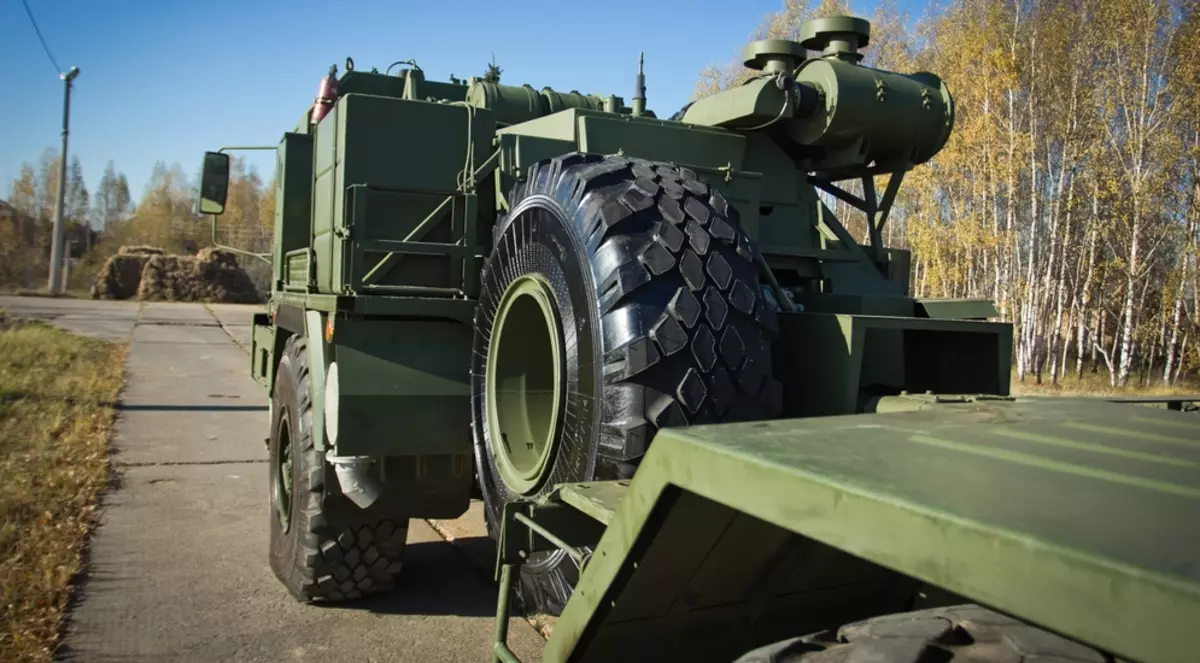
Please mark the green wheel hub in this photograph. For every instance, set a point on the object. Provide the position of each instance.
(283, 475)
(524, 383)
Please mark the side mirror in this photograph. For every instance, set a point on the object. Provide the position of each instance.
(214, 183)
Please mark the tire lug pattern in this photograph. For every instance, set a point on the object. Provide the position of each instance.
(669, 415)
(669, 236)
(692, 391)
(697, 210)
(698, 237)
(671, 211)
(722, 392)
(721, 229)
(741, 297)
(669, 336)
(643, 172)
(684, 307)
(951, 634)
(673, 189)
(715, 308)
(720, 271)
(732, 348)
(684, 332)
(647, 186)
(636, 201)
(692, 270)
(704, 348)
(751, 376)
(657, 259)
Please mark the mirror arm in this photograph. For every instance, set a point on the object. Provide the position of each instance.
(265, 257)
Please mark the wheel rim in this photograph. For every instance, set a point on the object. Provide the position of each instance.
(524, 383)
(283, 475)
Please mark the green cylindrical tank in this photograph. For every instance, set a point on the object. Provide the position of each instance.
(511, 104)
(885, 117)
(558, 101)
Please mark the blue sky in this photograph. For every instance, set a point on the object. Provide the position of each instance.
(166, 80)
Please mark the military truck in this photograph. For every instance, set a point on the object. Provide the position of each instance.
(702, 417)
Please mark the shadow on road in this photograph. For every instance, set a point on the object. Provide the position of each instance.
(435, 581)
(191, 408)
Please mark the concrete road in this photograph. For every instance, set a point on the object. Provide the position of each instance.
(178, 568)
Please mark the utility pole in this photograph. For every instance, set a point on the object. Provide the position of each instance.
(56, 242)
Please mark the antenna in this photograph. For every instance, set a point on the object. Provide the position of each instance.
(639, 88)
(493, 72)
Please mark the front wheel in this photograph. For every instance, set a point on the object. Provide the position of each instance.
(621, 298)
(315, 554)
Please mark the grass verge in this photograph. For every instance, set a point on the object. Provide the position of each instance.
(57, 395)
(1097, 384)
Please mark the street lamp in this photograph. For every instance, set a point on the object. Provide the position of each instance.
(56, 241)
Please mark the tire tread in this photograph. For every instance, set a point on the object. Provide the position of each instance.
(955, 634)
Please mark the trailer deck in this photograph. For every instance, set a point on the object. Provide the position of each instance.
(1073, 514)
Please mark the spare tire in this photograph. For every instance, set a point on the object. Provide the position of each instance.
(621, 297)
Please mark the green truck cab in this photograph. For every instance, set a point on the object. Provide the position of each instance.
(702, 417)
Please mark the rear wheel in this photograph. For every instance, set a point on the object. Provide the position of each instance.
(621, 298)
(964, 633)
(316, 555)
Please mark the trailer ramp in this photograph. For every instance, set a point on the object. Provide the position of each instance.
(1080, 516)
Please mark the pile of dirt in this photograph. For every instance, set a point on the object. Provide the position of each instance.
(120, 275)
(148, 273)
(140, 250)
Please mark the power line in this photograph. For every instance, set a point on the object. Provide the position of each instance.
(57, 69)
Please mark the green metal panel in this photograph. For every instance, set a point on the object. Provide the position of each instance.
(400, 224)
(262, 351)
(293, 203)
(604, 133)
(864, 355)
(461, 310)
(1076, 515)
(403, 387)
(559, 126)
(964, 309)
(365, 82)
(314, 332)
(324, 208)
(520, 151)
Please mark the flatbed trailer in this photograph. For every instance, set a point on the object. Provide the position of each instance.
(1079, 516)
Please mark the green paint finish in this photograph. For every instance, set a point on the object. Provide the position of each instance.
(963, 309)
(602, 133)
(864, 355)
(262, 351)
(1107, 554)
(598, 499)
(524, 383)
(402, 387)
(293, 208)
(389, 225)
(314, 328)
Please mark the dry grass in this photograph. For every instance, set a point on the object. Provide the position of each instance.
(56, 410)
(24, 292)
(1096, 384)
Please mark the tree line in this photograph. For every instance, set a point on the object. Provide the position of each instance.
(1069, 192)
(97, 225)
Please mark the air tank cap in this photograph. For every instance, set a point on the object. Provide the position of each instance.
(773, 55)
(836, 36)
